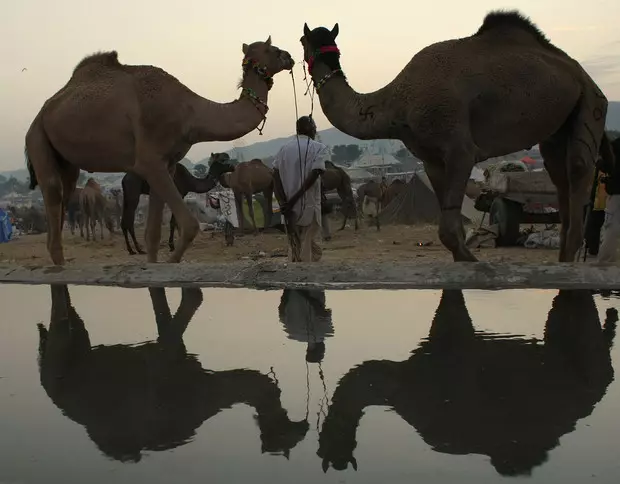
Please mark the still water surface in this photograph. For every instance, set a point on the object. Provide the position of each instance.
(101, 385)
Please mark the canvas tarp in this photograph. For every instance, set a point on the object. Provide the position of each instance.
(418, 205)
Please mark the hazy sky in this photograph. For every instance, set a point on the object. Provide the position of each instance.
(199, 42)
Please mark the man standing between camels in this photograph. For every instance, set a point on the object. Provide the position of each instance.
(297, 171)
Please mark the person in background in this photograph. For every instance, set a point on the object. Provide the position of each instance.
(297, 171)
(596, 218)
(611, 227)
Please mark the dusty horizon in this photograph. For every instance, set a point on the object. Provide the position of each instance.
(201, 46)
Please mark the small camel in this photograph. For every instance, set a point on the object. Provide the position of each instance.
(114, 203)
(372, 192)
(335, 178)
(185, 182)
(248, 178)
(111, 117)
(462, 101)
(93, 209)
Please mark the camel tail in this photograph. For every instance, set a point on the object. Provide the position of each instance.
(33, 175)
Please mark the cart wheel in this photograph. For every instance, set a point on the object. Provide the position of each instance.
(507, 215)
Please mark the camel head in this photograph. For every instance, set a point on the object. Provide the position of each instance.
(266, 59)
(321, 43)
(219, 164)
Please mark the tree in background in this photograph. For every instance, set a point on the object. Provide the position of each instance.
(2, 179)
(613, 134)
(200, 170)
(346, 153)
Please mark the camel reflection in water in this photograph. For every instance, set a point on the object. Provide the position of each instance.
(468, 392)
(151, 396)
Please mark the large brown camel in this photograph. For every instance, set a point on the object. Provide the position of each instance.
(462, 101)
(467, 391)
(335, 178)
(112, 117)
(93, 208)
(248, 178)
(134, 399)
(134, 186)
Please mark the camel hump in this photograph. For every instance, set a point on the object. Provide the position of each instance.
(101, 59)
(511, 19)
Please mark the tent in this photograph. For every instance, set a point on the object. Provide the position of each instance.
(418, 205)
(6, 228)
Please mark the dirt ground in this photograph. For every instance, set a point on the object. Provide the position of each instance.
(392, 243)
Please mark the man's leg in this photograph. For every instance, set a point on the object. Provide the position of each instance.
(611, 230)
(325, 226)
(310, 250)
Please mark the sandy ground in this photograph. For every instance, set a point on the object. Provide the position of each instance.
(392, 243)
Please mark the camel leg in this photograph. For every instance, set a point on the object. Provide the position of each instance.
(173, 224)
(164, 191)
(46, 167)
(553, 152)
(268, 194)
(250, 202)
(240, 216)
(70, 175)
(451, 229)
(130, 204)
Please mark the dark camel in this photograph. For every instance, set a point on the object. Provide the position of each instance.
(93, 209)
(462, 101)
(111, 117)
(248, 178)
(134, 186)
(335, 178)
(395, 188)
(471, 392)
(150, 397)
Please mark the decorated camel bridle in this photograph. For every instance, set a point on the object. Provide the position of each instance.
(262, 72)
(318, 52)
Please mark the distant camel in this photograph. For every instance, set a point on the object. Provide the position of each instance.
(74, 212)
(114, 204)
(371, 192)
(467, 391)
(134, 186)
(93, 208)
(248, 178)
(335, 178)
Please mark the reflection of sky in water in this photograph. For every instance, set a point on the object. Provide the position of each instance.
(241, 329)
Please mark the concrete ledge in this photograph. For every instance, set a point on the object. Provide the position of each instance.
(331, 276)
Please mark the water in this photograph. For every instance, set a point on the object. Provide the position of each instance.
(405, 386)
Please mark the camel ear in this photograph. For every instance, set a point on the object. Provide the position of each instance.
(306, 30)
(245, 48)
(325, 465)
(268, 41)
(335, 30)
(353, 460)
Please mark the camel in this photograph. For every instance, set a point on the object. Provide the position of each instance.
(114, 205)
(472, 392)
(134, 399)
(111, 117)
(248, 178)
(93, 208)
(372, 192)
(74, 213)
(335, 178)
(134, 186)
(462, 101)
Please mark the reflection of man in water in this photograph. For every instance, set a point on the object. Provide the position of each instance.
(306, 319)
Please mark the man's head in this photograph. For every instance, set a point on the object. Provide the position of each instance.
(306, 126)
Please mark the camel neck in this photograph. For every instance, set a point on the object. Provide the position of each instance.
(213, 121)
(363, 116)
